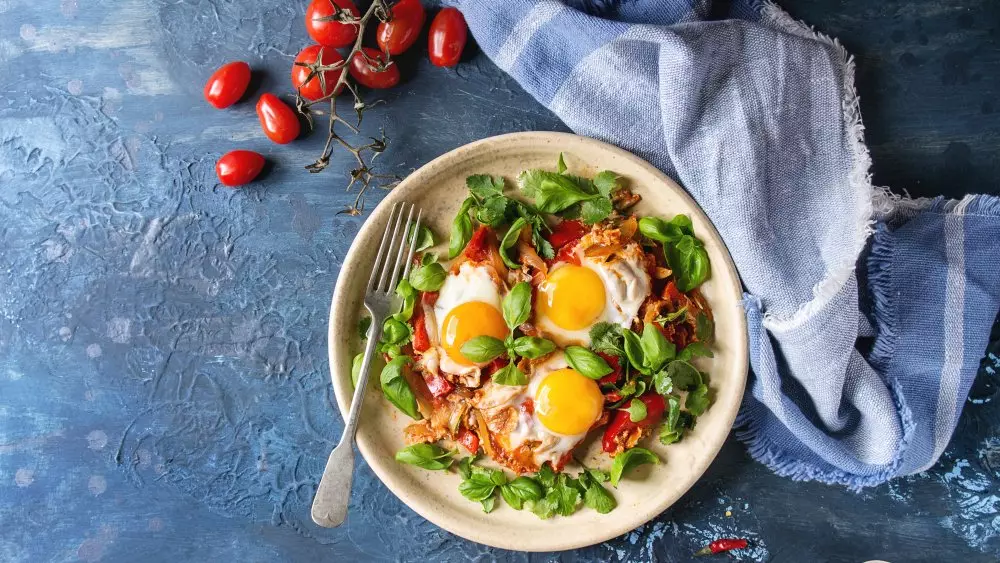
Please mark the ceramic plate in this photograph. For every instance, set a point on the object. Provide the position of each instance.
(439, 188)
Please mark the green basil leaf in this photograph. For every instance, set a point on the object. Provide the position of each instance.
(509, 240)
(461, 229)
(636, 410)
(428, 278)
(356, 369)
(673, 316)
(595, 210)
(465, 467)
(428, 258)
(364, 323)
(408, 298)
(397, 390)
(526, 488)
(598, 498)
(498, 477)
(510, 375)
(492, 211)
(395, 332)
(532, 347)
(557, 193)
(606, 338)
(427, 456)
(663, 383)
(606, 182)
(684, 375)
(630, 459)
(476, 490)
(694, 350)
(689, 261)
(483, 185)
(697, 400)
(424, 237)
(482, 349)
(586, 362)
(542, 246)
(598, 475)
(633, 349)
(517, 305)
(672, 429)
(704, 328)
(511, 497)
(561, 165)
(656, 349)
(662, 231)
(489, 504)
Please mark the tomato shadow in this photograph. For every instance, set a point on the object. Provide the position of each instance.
(253, 88)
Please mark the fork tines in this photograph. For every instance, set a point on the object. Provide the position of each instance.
(386, 275)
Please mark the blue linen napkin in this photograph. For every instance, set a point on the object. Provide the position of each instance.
(756, 115)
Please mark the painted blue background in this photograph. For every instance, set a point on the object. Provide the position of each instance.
(164, 393)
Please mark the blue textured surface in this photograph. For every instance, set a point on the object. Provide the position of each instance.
(164, 392)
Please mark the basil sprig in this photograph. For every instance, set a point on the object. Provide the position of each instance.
(427, 456)
(559, 192)
(586, 362)
(684, 252)
(397, 390)
(630, 459)
(516, 308)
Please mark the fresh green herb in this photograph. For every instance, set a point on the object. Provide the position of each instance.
(606, 183)
(510, 375)
(671, 317)
(697, 400)
(542, 245)
(408, 297)
(532, 347)
(630, 459)
(356, 369)
(397, 390)
(517, 305)
(395, 334)
(476, 488)
(492, 211)
(428, 278)
(428, 258)
(685, 254)
(489, 504)
(598, 475)
(425, 238)
(546, 476)
(561, 165)
(672, 431)
(482, 349)
(364, 324)
(684, 375)
(633, 349)
(595, 210)
(465, 466)
(461, 229)
(595, 496)
(427, 456)
(694, 350)
(557, 193)
(704, 328)
(567, 495)
(564, 193)
(656, 349)
(586, 362)
(636, 410)
(606, 338)
(520, 490)
(510, 239)
(484, 186)
(663, 383)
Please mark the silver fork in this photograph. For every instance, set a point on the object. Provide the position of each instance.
(329, 508)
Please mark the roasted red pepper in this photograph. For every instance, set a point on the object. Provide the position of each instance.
(566, 254)
(438, 385)
(724, 544)
(567, 232)
(478, 248)
(421, 341)
(622, 428)
(468, 439)
(612, 377)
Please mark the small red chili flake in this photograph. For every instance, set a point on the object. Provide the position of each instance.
(718, 546)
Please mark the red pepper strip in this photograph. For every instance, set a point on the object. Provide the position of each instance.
(566, 254)
(478, 248)
(614, 375)
(566, 232)
(421, 341)
(621, 425)
(671, 291)
(724, 544)
(438, 385)
(468, 439)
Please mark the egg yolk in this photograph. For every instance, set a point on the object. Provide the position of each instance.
(467, 321)
(568, 403)
(572, 297)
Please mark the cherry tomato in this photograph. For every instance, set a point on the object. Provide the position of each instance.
(278, 121)
(447, 37)
(566, 232)
(363, 72)
(402, 31)
(311, 88)
(329, 32)
(236, 168)
(226, 86)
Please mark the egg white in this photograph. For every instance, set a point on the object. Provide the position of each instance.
(626, 286)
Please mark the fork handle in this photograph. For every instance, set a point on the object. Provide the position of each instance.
(333, 496)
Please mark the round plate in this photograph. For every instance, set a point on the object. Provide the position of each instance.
(439, 188)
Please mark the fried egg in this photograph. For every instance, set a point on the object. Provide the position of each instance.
(467, 306)
(607, 288)
(544, 420)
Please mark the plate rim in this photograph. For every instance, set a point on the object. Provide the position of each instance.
(416, 177)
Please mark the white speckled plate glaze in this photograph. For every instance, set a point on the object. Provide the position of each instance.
(439, 188)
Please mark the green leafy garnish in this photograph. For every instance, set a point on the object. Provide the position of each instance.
(671, 317)
(663, 383)
(509, 240)
(428, 278)
(510, 375)
(461, 229)
(697, 400)
(532, 347)
(427, 456)
(364, 324)
(694, 350)
(636, 410)
(685, 253)
(606, 338)
(520, 490)
(484, 186)
(517, 305)
(595, 496)
(656, 349)
(425, 238)
(595, 210)
(684, 375)
(704, 328)
(672, 431)
(561, 165)
(564, 193)
(586, 362)
(630, 459)
(606, 183)
(397, 390)
(482, 349)
(356, 369)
